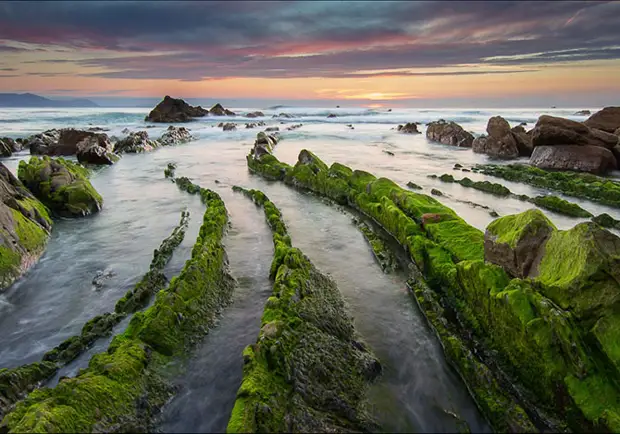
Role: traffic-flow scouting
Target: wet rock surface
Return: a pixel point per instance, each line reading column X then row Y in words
column 171, row 110
column 449, row 133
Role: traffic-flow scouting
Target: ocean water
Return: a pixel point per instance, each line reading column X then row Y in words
column 418, row 391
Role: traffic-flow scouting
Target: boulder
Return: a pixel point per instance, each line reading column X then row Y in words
column 408, row 128
column 283, row 115
column 136, row 142
column 523, row 140
column 8, row 146
column 593, row 159
column 25, row 224
column 272, row 129
column 60, row 185
column 516, row 242
column 617, row 132
column 257, row 114
column 175, row 136
column 264, row 144
column 616, row 152
column 551, row 131
column 62, row 142
column 40, row 143
column 449, row 133
column 582, row 113
column 331, row 115
column 607, row 119
column 171, row 110
column 229, row 126
column 255, row 124
column 96, row 150
column 218, row 110
column 501, row 142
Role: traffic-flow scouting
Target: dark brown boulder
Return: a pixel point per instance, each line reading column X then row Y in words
column 96, row 150
column 593, row 159
column 219, row 110
column 409, row 128
column 171, row 110
column 516, row 242
column 229, row 126
column 8, row 146
column 616, row 152
column 607, row 119
column 449, row 133
column 500, row 142
column 523, row 140
column 257, row 114
column 551, row 131
column 617, row 132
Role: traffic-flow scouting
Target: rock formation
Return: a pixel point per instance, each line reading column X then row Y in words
column 229, row 126
column 408, row 128
column 171, row 110
column 96, row 150
column 175, row 136
column 60, row 185
column 582, row 113
column 256, row 114
column 136, row 142
column 25, row 224
column 8, row 146
column 218, row 110
column 448, row 133
column 593, row 159
column 607, row 119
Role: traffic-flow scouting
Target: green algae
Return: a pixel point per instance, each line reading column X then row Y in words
column 60, row 185
column 307, row 371
column 170, row 170
column 123, row 387
column 606, row 221
column 534, row 341
column 559, row 205
column 383, row 255
column 587, row 186
column 511, row 228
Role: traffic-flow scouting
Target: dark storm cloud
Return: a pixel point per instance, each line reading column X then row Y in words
column 260, row 39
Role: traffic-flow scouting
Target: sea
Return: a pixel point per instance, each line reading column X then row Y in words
column 418, row 391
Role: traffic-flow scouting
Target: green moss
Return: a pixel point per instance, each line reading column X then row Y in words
column 559, row 205
column 597, row 189
column 463, row 241
column 35, row 209
column 606, row 221
column 511, row 228
column 581, row 269
column 122, row 388
column 10, row 262
column 61, row 185
column 32, row 236
column 598, row 399
column 305, row 358
column 381, row 252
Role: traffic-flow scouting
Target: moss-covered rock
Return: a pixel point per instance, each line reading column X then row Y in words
column 308, row 371
column 61, row 185
column 124, row 387
column 25, row 227
column 15, row 383
column 515, row 242
column 588, row 186
column 606, row 221
column 559, row 205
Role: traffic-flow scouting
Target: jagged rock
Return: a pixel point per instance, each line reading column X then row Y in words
column 61, row 142
column 175, row 136
column 582, row 113
column 449, row 133
column 331, row 115
column 136, row 142
column 270, row 129
column 607, row 119
column 551, row 131
column 409, row 128
column 516, row 242
column 40, row 143
column 8, row 146
column 218, row 110
column 229, row 126
column 171, row 110
column 96, row 150
column 503, row 142
column 126, row 131
column 255, row 124
column 283, row 115
column 257, row 114
column 593, row 159
column 60, row 185
column 25, row 224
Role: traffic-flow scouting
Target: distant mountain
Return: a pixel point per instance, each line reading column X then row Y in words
column 31, row 100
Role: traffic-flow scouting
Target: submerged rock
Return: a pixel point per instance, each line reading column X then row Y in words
column 607, row 119
column 256, row 114
column 408, row 128
column 96, row 150
column 593, row 159
column 582, row 113
column 171, row 110
column 229, row 126
column 449, row 133
column 175, row 136
column 136, row 142
column 25, row 227
column 61, row 185
column 515, row 242
column 283, row 115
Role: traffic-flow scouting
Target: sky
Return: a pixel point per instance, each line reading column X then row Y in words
column 369, row 53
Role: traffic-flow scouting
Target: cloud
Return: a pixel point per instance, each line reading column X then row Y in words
column 193, row 41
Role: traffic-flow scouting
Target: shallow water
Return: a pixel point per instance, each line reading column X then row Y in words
column 56, row 297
